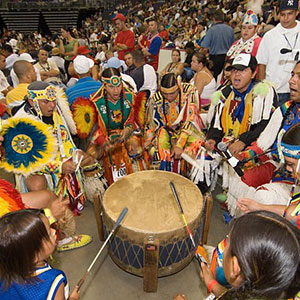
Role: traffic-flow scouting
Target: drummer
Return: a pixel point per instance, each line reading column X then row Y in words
column 114, row 104
column 242, row 112
column 172, row 124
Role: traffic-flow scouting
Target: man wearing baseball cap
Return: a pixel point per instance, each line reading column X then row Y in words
column 273, row 65
column 124, row 41
column 242, row 111
column 86, row 85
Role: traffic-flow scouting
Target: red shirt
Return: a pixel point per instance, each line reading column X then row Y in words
column 125, row 37
column 164, row 35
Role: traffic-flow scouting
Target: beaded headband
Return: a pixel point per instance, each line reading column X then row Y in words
column 49, row 93
column 113, row 80
column 169, row 90
column 288, row 150
column 292, row 151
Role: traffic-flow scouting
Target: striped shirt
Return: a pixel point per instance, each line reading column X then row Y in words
column 84, row 87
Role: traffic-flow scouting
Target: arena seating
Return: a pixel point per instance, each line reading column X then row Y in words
column 27, row 16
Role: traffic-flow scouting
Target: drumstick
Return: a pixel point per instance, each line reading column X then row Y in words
column 119, row 220
column 199, row 257
column 78, row 164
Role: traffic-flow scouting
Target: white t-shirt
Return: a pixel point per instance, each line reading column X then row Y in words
column 49, row 66
column 129, row 80
column 100, row 56
column 3, row 84
column 93, row 37
column 150, row 80
column 60, row 62
column 279, row 66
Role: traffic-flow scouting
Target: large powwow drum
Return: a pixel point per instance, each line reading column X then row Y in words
column 152, row 211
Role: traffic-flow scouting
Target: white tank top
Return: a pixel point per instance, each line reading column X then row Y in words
column 208, row 89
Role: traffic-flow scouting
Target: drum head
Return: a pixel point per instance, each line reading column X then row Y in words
column 151, row 204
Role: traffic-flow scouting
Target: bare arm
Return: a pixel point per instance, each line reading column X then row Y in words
column 121, row 46
column 61, row 47
column 146, row 52
column 51, row 73
column 164, row 70
column 201, row 81
column 261, row 75
column 247, row 205
column 71, row 69
column 179, row 69
column 94, row 71
column 8, row 89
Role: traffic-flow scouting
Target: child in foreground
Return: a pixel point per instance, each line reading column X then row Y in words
column 26, row 242
column 261, row 260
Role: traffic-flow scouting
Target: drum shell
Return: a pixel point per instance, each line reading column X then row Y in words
column 175, row 250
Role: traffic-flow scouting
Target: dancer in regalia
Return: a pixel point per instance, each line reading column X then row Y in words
column 49, row 124
column 113, row 141
column 173, row 123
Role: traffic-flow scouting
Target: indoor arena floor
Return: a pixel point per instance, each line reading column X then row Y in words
column 108, row 282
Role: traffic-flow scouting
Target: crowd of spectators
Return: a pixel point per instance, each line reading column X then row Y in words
column 234, row 72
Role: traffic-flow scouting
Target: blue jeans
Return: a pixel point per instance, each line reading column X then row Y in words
column 283, row 97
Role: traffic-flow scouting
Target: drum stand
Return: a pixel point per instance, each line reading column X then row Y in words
column 98, row 214
column 151, row 255
column 206, row 216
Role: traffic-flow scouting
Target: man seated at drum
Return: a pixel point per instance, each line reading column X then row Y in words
column 241, row 112
column 277, row 181
column 47, row 104
column 173, row 123
column 113, row 141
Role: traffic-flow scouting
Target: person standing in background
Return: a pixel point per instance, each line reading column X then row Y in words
column 218, row 40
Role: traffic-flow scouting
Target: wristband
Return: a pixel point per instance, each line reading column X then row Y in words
column 211, row 284
column 49, row 215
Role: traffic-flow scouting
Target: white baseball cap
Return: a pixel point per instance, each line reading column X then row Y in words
column 82, row 64
column 27, row 57
column 243, row 61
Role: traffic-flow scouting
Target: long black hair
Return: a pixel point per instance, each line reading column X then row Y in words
column 168, row 80
column 268, row 252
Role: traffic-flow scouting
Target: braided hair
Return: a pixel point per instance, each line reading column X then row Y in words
column 167, row 81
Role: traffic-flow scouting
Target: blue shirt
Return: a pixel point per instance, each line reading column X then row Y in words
column 46, row 286
column 84, row 87
column 155, row 45
column 218, row 39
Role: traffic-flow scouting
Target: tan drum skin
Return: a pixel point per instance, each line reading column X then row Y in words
column 152, row 211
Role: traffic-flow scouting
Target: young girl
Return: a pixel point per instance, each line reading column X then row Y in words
column 26, row 242
column 261, row 259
